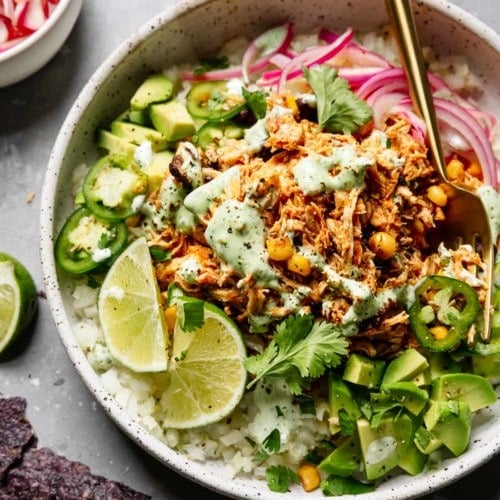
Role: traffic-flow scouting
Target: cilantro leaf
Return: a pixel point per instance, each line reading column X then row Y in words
column 339, row 109
column 256, row 101
column 300, row 349
column 334, row 486
column 210, row 63
column 280, row 477
column 347, row 423
column 193, row 315
column 160, row 254
column 260, row 456
column 272, row 443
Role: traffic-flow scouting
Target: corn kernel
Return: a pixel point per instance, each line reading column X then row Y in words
column 309, row 477
column 439, row 332
column 279, row 248
column 382, row 244
column 292, row 104
column 170, row 317
column 455, row 170
column 475, row 170
column 437, row 195
column 299, row 264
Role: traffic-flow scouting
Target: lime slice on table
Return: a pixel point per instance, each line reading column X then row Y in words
column 206, row 372
column 130, row 311
column 18, row 300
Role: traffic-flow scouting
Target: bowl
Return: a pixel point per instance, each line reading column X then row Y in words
column 196, row 28
column 29, row 55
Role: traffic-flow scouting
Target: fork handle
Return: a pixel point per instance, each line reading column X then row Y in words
column 401, row 12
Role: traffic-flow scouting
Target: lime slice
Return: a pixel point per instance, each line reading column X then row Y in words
column 206, row 372
column 130, row 311
column 18, row 300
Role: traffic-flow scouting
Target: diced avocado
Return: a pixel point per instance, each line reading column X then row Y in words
column 340, row 398
column 115, row 144
column 441, row 363
column 139, row 117
column 363, row 371
column 405, row 367
column 468, row 388
column 450, row 422
column 413, row 460
column 156, row 88
column 425, row 441
column 157, row 169
column 487, row 366
column 172, row 120
column 383, row 447
column 422, row 379
column 408, row 395
column 344, row 460
column 137, row 134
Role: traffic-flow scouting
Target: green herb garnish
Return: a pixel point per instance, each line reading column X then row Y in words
column 301, row 349
column 279, row 478
column 339, row 109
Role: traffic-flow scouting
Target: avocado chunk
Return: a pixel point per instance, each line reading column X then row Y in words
column 340, row 398
column 364, row 371
column 156, row 88
column 425, row 441
column 450, row 422
column 172, row 120
column 408, row 395
column 405, row 367
column 158, row 169
column 469, row 388
column 139, row 117
column 487, row 366
column 383, row 447
column 137, row 134
column 343, row 460
column 413, row 461
column 114, row 144
column 441, row 363
column 422, row 379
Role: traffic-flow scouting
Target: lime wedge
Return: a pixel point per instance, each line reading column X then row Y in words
column 206, row 373
column 130, row 311
column 18, row 300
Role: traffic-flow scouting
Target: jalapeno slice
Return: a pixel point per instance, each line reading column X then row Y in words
column 443, row 311
column 114, row 187
column 212, row 133
column 86, row 242
column 213, row 101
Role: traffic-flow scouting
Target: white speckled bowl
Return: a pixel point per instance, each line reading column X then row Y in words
column 197, row 27
column 31, row 54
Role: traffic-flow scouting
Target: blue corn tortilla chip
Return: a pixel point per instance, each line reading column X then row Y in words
column 27, row 472
column 16, row 432
column 43, row 474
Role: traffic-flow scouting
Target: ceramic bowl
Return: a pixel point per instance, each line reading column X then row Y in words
column 32, row 53
column 192, row 29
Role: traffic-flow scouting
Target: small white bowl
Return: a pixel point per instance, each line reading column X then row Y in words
column 29, row 55
column 196, row 28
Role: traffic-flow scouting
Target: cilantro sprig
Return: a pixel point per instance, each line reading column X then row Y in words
column 279, row 478
column 301, row 349
column 339, row 109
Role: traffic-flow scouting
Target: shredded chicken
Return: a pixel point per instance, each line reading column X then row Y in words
column 330, row 229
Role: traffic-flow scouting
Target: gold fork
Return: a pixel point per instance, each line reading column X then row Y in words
column 466, row 218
